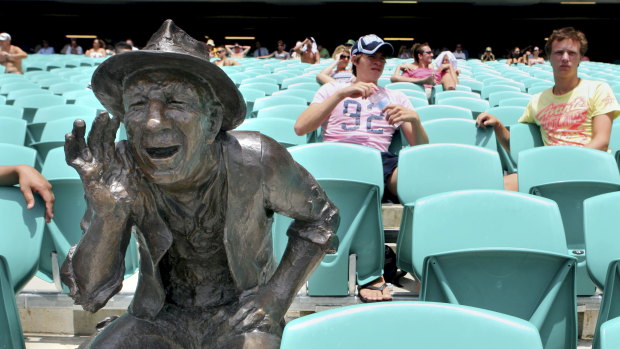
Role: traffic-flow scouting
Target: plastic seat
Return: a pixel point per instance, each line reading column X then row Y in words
column 539, row 88
column 296, row 80
column 569, row 175
column 475, row 85
column 270, row 101
column 32, row 103
column 72, row 95
column 89, row 100
column 501, row 251
column 64, row 229
column 286, row 111
column 614, row 141
column 10, row 98
column 281, row 130
column 11, row 154
column 53, row 134
column 609, row 335
column 434, row 112
column 11, row 335
column 488, row 89
column 62, row 87
column 523, row 136
column 439, row 96
column 308, row 95
column 413, row 93
column 250, row 95
column 310, row 86
column 600, row 221
column 263, row 86
column 476, row 105
column 12, row 131
column 14, row 86
column 47, row 82
column 352, row 178
column 436, row 168
column 429, row 325
column 418, row 102
column 264, row 79
column 11, row 111
column 507, row 115
column 405, row 86
column 496, row 97
column 57, row 112
column 514, row 102
column 459, row 131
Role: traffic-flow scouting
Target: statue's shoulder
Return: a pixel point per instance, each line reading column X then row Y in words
column 252, row 142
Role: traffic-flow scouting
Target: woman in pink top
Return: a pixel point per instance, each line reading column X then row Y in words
column 422, row 71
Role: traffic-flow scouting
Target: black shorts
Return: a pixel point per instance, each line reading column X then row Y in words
column 390, row 162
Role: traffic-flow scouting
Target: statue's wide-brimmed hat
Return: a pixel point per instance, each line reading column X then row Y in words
column 169, row 48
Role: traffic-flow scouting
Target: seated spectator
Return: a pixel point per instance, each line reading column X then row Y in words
column 211, row 48
column 574, row 111
column 72, row 48
column 237, row 51
column 423, row 71
column 487, row 55
column 459, row 53
column 130, row 43
column 98, row 50
column 446, row 63
column 363, row 113
column 403, row 52
column 45, row 48
column 337, row 70
column 307, row 51
column 122, row 46
column 279, row 53
column 323, row 52
column 516, row 56
column 222, row 59
column 30, row 181
column 536, row 58
column 11, row 56
column 260, row 50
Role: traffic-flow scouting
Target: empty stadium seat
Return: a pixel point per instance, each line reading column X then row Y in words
column 434, row 112
column 12, row 131
column 459, row 131
column 281, row 130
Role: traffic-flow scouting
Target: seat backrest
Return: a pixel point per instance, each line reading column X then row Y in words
column 434, row 112
column 404, row 85
column 602, row 234
column 268, row 88
column 22, row 234
column 56, row 112
column 32, row 103
column 479, row 219
column 507, row 115
column 496, row 97
column 14, row 86
column 62, row 87
column 296, row 80
column 523, row 137
column 476, row 105
column 89, row 100
column 281, row 130
column 514, row 102
column 286, row 111
column 251, row 94
column 271, row 101
column 418, row 102
column 26, row 92
column 426, row 323
column 311, row 86
column 435, row 168
column 12, row 131
column 459, row 131
column 11, row 111
column 609, row 334
column 544, row 165
column 439, row 96
column 488, row 89
column 11, row 335
column 11, row 154
column 308, row 95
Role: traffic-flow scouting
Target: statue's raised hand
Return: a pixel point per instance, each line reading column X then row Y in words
column 108, row 180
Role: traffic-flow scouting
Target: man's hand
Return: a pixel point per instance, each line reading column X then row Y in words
column 256, row 311
column 31, row 181
column 109, row 184
column 359, row 89
column 485, row 120
column 395, row 114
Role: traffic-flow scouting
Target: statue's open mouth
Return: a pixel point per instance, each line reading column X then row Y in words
column 162, row 153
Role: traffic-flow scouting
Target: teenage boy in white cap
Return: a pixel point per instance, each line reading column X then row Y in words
column 351, row 113
column 10, row 55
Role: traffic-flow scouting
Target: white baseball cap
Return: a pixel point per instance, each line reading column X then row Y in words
column 5, row 36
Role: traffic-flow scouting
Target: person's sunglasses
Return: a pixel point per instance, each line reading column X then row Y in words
column 344, row 57
column 220, row 51
column 428, row 52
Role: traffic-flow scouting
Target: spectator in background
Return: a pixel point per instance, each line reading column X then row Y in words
column 487, row 55
column 536, row 58
column 11, row 56
column 323, row 52
column 130, row 43
column 122, row 46
column 307, row 51
column 30, row 182
column 403, row 52
column 459, row 53
column 98, row 50
column 422, row 71
column 573, row 112
column 222, row 60
column 260, row 50
column 237, row 51
column 279, row 53
column 447, row 64
column 347, row 112
column 211, row 48
column 72, row 48
column 349, row 43
column 338, row 70
column 516, row 56
column 45, row 48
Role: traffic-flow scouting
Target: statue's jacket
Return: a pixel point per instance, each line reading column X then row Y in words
column 262, row 178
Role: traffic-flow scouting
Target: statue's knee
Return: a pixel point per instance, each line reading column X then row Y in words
column 253, row 340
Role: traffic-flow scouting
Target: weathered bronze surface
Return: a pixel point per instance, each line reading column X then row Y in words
column 202, row 200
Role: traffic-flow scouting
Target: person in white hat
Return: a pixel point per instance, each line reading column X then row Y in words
column 202, row 199
column 11, row 56
column 363, row 113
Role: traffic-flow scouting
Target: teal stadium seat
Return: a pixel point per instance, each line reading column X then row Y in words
column 514, row 102
column 11, row 154
column 57, row 112
column 352, row 178
column 569, row 175
column 488, row 89
column 12, row 131
column 496, row 97
column 14, row 86
column 439, row 96
column 507, row 115
column 11, row 111
column 53, row 134
column 250, row 95
column 459, row 131
column 286, row 111
column 268, row 88
column 501, row 251
column 523, row 136
column 271, row 101
column 62, row 87
column 89, row 100
column 32, row 103
column 418, row 102
column 310, row 86
column 434, row 112
column 476, row 105
column 609, row 335
column 601, row 227
column 427, row 324
column 475, row 85
column 414, row 93
column 281, row 130
column 11, row 335
column 10, row 98
column 405, row 86
column 308, row 95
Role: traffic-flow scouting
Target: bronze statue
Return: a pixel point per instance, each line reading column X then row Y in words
column 202, row 200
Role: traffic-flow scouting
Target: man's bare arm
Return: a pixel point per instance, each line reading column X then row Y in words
column 601, row 132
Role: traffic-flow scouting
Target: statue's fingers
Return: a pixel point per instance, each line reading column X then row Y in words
column 109, row 137
column 75, row 145
column 97, row 134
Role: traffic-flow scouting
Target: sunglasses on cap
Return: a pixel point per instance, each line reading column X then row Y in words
column 344, row 57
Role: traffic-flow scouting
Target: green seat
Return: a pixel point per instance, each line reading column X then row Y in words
column 614, row 141
column 57, row 112
column 14, row 86
column 501, row 251
column 271, row 101
column 507, row 115
column 434, row 112
column 11, row 154
column 609, row 335
column 62, row 87
column 488, row 89
column 259, row 79
column 71, row 96
column 12, row 131
column 22, row 233
column 53, row 134
column 64, row 230
column 308, row 95
column 310, row 86
column 439, row 96
column 459, row 131
column 514, row 102
column 413, row 93
column 352, row 178
column 10, row 98
column 422, row 324
column 11, row 111
column 475, row 85
column 496, row 97
column 268, row 88
column 32, row 103
column 569, row 175
column 89, row 100
column 286, row 111
column 476, row 105
column 11, row 335
column 250, row 95
column 47, row 82
column 437, row 168
column 504, row 82
column 281, row 130
column 405, row 86
column 600, row 222
column 298, row 79
column 539, row 88
column 418, row 102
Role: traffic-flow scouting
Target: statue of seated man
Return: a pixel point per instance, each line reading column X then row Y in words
column 202, row 200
